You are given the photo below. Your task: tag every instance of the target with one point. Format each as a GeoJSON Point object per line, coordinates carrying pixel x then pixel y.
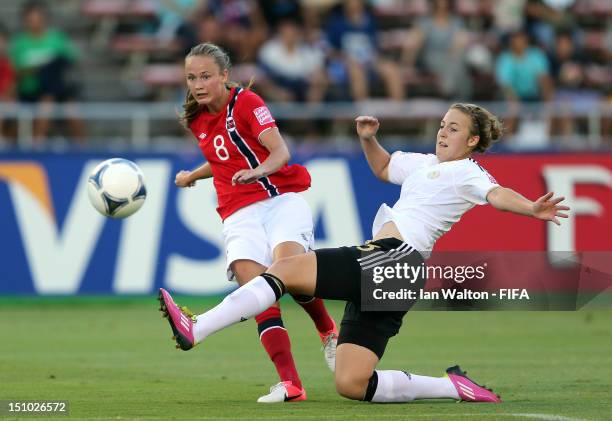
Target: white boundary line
{"type": "Point", "coordinates": [546, 417]}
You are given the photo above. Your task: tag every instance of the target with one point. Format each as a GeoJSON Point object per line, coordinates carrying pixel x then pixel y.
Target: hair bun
{"type": "Point", "coordinates": [497, 128]}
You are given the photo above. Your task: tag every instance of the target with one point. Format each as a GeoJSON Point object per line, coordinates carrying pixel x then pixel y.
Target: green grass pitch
{"type": "Point", "coordinates": [113, 359]}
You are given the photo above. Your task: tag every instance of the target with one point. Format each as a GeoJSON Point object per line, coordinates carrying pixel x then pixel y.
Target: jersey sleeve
{"type": "Point", "coordinates": [253, 110]}
{"type": "Point", "coordinates": [402, 164]}
{"type": "Point", "coordinates": [473, 183]}
{"type": "Point", "coordinates": [195, 126]}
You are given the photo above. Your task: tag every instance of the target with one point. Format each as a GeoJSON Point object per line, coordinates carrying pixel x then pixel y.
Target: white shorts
{"type": "Point", "coordinates": [253, 232]}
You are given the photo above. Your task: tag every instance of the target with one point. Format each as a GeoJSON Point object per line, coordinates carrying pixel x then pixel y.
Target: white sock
{"type": "Point", "coordinates": [247, 301]}
{"type": "Point", "coordinates": [398, 386]}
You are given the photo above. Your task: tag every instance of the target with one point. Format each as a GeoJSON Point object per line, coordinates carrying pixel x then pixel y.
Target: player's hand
{"type": "Point", "coordinates": [367, 126]}
{"type": "Point", "coordinates": [246, 176]}
{"type": "Point", "coordinates": [548, 209]}
{"type": "Point", "coordinates": [183, 179]}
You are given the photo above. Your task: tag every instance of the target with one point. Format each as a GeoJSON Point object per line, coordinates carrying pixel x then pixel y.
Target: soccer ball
{"type": "Point", "coordinates": [116, 188]}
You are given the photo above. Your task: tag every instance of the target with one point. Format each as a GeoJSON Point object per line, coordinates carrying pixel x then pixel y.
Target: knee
{"type": "Point", "coordinates": [350, 386]}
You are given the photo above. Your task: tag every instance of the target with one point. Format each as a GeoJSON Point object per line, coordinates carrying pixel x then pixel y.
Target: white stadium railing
{"type": "Point", "coordinates": [140, 117]}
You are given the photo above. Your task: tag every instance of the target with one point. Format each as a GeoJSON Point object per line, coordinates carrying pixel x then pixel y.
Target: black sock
{"type": "Point", "coordinates": [276, 284]}
{"type": "Point", "coordinates": [372, 385]}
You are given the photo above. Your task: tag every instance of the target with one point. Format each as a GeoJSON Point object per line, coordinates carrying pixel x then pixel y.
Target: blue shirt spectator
{"type": "Point", "coordinates": [522, 71]}
{"type": "Point", "coordinates": [351, 33]}
{"type": "Point", "coordinates": [356, 38]}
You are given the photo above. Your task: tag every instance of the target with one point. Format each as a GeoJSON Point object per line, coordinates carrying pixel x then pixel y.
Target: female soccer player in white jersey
{"type": "Point", "coordinates": [436, 191]}
{"type": "Point", "coordinates": [264, 216]}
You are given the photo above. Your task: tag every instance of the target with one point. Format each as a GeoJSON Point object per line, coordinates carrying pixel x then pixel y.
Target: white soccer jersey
{"type": "Point", "coordinates": [434, 196]}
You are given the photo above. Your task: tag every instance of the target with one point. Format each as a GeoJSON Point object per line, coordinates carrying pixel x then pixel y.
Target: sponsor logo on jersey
{"type": "Point", "coordinates": [433, 175]}
{"type": "Point", "coordinates": [230, 124]}
{"type": "Point", "coordinates": [202, 136]}
{"type": "Point", "coordinates": [263, 115]}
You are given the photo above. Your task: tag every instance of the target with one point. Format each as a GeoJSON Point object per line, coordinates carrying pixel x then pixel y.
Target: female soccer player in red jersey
{"type": "Point", "coordinates": [436, 190]}
{"type": "Point", "coordinates": [264, 216]}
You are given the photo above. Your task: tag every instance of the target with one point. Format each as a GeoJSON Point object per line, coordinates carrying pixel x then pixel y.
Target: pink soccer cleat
{"type": "Point", "coordinates": [284, 392]}
{"type": "Point", "coordinates": [181, 323]}
{"type": "Point", "coordinates": [469, 390]}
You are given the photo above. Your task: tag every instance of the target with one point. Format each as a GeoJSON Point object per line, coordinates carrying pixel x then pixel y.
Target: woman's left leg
{"type": "Point", "coordinates": [354, 367]}
{"type": "Point", "coordinates": [357, 378]}
{"type": "Point", "coordinates": [363, 339]}
{"type": "Point", "coordinates": [364, 336]}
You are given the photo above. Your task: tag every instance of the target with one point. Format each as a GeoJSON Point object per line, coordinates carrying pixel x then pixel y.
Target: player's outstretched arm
{"type": "Point", "coordinates": [378, 158]}
{"type": "Point", "coordinates": [279, 156]}
{"type": "Point", "coordinates": [546, 207]}
{"type": "Point", "coordinates": [189, 178]}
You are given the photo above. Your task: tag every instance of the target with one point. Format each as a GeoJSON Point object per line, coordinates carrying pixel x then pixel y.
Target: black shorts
{"type": "Point", "coordinates": [339, 277]}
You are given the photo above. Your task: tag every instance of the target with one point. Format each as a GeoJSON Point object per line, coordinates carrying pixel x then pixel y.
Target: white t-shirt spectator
{"type": "Point", "coordinates": [297, 64]}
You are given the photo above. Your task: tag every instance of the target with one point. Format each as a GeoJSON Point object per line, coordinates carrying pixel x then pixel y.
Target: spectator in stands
{"type": "Point", "coordinates": [42, 56]}
{"type": "Point", "coordinates": [523, 71]}
{"type": "Point", "coordinates": [175, 22]}
{"type": "Point", "coordinates": [307, 12]}
{"type": "Point", "coordinates": [243, 27]}
{"type": "Point", "coordinates": [544, 17]}
{"type": "Point", "coordinates": [568, 73]}
{"type": "Point", "coordinates": [209, 29]}
{"type": "Point", "coordinates": [352, 34]}
{"type": "Point", "coordinates": [508, 16]}
{"type": "Point", "coordinates": [7, 77]}
{"type": "Point", "coordinates": [275, 11]}
{"type": "Point", "coordinates": [566, 62]}
{"type": "Point", "coordinates": [439, 42]}
{"type": "Point", "coordinates": [314, 13]}
{"type": "Point", "coordinates": [295, 70]}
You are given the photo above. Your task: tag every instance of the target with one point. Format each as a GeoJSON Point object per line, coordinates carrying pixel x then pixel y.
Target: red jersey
{"type": "Point", "coordinates": [229, 141]}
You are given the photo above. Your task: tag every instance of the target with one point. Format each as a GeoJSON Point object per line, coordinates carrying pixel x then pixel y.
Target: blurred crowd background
{"type": "Point", "coordinates": [108, 73]}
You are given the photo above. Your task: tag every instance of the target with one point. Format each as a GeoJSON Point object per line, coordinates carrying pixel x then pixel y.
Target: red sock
{"type": "Point", "coordinates": [317, 312]}
{"type": "Point", "coordinates": [275, 340]}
